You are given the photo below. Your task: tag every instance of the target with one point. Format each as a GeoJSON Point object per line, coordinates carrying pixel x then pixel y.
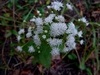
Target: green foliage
{"type": "Point", "coordinates": [45, 56]}
{"type": "Point", "coordinates": [42, 54]}
{"type": "Point", "coordinates": [11, 32]}
{"type": "Point", "coordinates": [89, 71]}
{"type": "Point", "coordinates": [82, 65]}
{"type": "Point", "coordinates": [72, 56]}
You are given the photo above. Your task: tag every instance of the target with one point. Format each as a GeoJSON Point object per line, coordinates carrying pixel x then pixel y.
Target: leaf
{"type": "Point", "coordinates": [8, 34]}
{"type": "Point", "coordinates": [72, 56]}
{"type": "Point", "coordinates": [45, 56]}
{"type": "Point", "coordinates": [25, 46]}
{"type": "Point", "coordinates": [82, 65]}
{"type": "Point", "coordinates": [2, 67]}
{"type": "Point", "coordinates": [14, 32]}
{"type": "Point", "coordinates": [89, 71]}
{"type": "Point", "coordinates": [48, 2]}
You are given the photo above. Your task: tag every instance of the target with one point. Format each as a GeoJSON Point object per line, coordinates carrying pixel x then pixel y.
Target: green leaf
{"type": "Point", "coordinates": [14, 32]}
{"type": "Point", "coordinates": [82, 65]}
{"type": "Point", "coordinates": [48, 2]}
{"type": "Point", "coordinates": [9, 34]}
{"type": "Point", "coordinates": [14, 1]}
{"type": "Point", "coordinates": [45, 56]}
{"type": "Point", "coordinates": [2, 67]}
{"type": "Point", "coordinates": [25, 46]}
{"type": "Point", "coordinates": [72, 56]}
{"type": "Point", "coordinates": [89, 71]}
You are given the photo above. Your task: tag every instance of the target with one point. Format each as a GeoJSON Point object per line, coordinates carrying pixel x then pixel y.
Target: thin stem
{"type": "Point", "coordinates": [3, 56]}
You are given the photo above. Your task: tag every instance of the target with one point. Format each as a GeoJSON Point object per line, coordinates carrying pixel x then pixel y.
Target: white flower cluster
{"type": "Point", "coordinates": [54, 31]}
{"type": "Point", "coordinates": [55, 42]}
{"type": "Point", "coordinates": [58, 29]}
{"type": "Point", "coordinates": [56, 5]}
{"type": "Point", "coordinates": [31, 49]}
{"type": "Point", "coordinates": [60, 18]}
{"type": "Point", "coordinates": [49, 19]}
{"type": "Point", "coordinates": [83, 19]}
{"type": "Point", "coordinates": [69, 6]}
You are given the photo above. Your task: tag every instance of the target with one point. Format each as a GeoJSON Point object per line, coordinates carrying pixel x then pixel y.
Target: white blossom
{"type": "Point", "coordinates": [60, 18]}
{"type": "Point", "coordinates": [71, 29]}
{"type": "Point", "coordinates": [30, 29]}
{"type": "Point", "coordinates": [57, 29]}
{"type": "Point", "coordinates": [45, 31]}
{"type": "Point", "coordinates": [70, 38]}
{"type": "Point", "coordinates": [32, 20]}
{"type": "Point", "coordinates": [83, 19]}
{"type": "Point", "coordinates": [55, 42]}
{"type": "Point", "coordinates": [18, 38]}
{"type": "Point", "coordinates": [19, 48]}
{"type": "Point", "coordinates": [39, 21]}
{"type": "Point", "coordinates": [38, 11]}
{"type": "Point", "coordinates": [55, 51]}
{"type": "Point", "coordinates": [80, 33]}
{"type": "Point", "coordinates": [31, 49]}
{"type": "Point", "coordinates": [48, 7]}
{"type": "Point", "coordinates": [37, 40]}
{"type": "Point", "coordinates": [70, 43]}
{"type": "Point", "coordinates": [49, 18]}
{"type": "Point", "coordinates": [29, 34]}
{"type": "Point", "coordinates": [39, 29]}
{"type": "Point", "coordinates": [69, 6]}
{"type": "Point", "coordinates": [56, 5]}
{"type": "Point", "coordinates": [81, 42]}
{"type": "Point", "coordinates": [44, 36]}
{"type": "Point", "coordinates": [65, 49]}
{"type": "Point", "coordinates": [21, 31]}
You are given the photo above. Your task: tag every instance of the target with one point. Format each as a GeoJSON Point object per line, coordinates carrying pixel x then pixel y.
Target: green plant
{"type": "Point", "coordinates": [49, 35]}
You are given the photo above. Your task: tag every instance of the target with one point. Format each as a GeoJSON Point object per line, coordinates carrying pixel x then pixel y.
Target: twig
{"type": "Point", "coordinates": [3, 56]}
{"type": "Point", "coordinates": [14, 13]}
{"type": "Point", "coordinates": [77, 55]}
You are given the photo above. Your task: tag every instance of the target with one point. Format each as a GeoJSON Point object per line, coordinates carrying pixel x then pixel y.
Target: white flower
{"type": "Point", "coordinates": [65, 49]}
{"type": "Point", "coordinates": [49, 18]}
{"type": "Point", "coordinates": [38, 11]}
{"type": "Point", "coordinates": [83, 19]}
{"type": "Point", "coordinates": [32, 20]}
{"type": "Point", "coordinates": [31, 49]}
{"type": "Point", "coordinates": [57, 29]}
{"type": "Point", "coordinates": [44, 36]}
{"type": "Point", "coordinates": [69, 6]}
{"type": "Point", "coordinates": [37, 40]}
{"type": "Point", "coordinates": [81, 42]}
{"type": "Point", "coordinates": [21, 31]}
{"type": "Point", "coordinates": [39, 29]}
{"type": "Point", "coordinates": [71, 42]}
{"type": "Point", "coordinates": [71, 29]}
{"type": "Point", "coordinates": [60, 18]}
{"type": "Point", "coordinates": [29, 29]}
{"type": "Point", "coordinates": [45, 31]}
{"type": "Point", "coordinates": [56, 5]}
{"type": "Point", "coordinates": [29, 34]}
{"type": "Point", "coordinates": [48, 7]}
{"type": "Point", "coordinates": [70, 38]}
{"type": "Point", "coordinates": [80, 33]}
{"type": "Point", "coordinates": [55, 42]}
{"type": "Point", "coordinates": [19, 48]}
{"type": "Point", "coordinates": [55, 51]}
{"type": "Point", "coordinates": [71, 45]}
{"type": "Point", "coordinates": [38, 21]}
{"type": "Point", "coordinates": [18, 38]}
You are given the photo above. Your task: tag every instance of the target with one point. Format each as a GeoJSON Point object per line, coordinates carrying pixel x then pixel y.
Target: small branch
{"type": "Point", "coordinates": [77, 55]}
{"type": "Point", "coordinates": [3, 56]}
{"type": "Point", "coordinates": [14, 13]}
